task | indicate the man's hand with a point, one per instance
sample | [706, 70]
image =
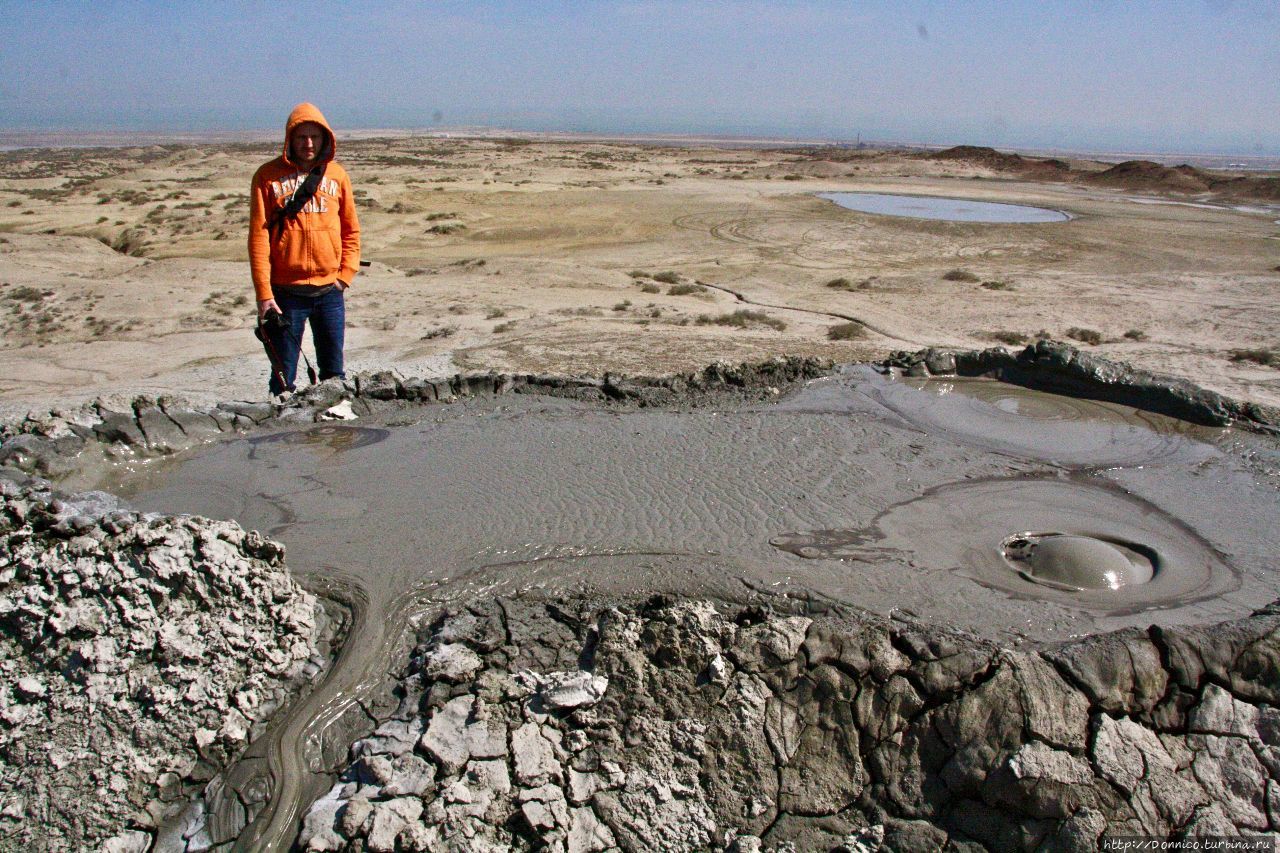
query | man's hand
[342, 285]
[265, 307]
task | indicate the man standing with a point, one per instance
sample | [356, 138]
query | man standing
[304, 248]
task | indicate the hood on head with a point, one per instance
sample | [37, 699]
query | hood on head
[301, 114]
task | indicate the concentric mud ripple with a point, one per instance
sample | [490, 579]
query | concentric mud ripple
[1017, 421]
[971, 528]
[335, 438]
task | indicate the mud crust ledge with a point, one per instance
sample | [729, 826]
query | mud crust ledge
[1063, 369]
[61, 442]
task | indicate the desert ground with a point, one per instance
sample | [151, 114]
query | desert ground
[491, 664]
[123, 270]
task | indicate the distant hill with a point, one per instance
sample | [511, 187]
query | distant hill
[1249, 188]
[1150, 176]
[1131, 175]
[999, 161]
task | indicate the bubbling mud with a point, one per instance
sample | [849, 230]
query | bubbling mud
[1073, 562]
[1097, 548]
[335, 438]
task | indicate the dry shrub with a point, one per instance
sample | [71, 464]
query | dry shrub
[668, 277]
[743, 319]
[1007, 337]
[846, 332]
[1087, 336]
[959, 275]
[1266, 356]
[684, 289]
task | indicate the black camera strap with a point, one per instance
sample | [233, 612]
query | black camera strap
[303, 194]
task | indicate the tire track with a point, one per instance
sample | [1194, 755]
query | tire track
[835, 315]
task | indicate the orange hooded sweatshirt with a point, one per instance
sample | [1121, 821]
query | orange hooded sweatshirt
[322, 243]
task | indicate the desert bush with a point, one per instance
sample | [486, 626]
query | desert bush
[1266, 356]
[684, 289]
[959, 275]
[742, 319]
[1136, 335]
[440, 332]
[504, 327]
[24, 293]
[1087, 336]
[846, 332]
[446, 228]
[650, 287]
[623, 305]
[840, 283]
[997, 284]
[639, 274]
[495, 313]
[438, 216]
[668, 277]
[1007, 337]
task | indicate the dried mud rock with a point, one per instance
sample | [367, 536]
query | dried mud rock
[1058, 367]
[696, 726]
[138, 654]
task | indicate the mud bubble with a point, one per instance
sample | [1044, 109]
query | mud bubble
[1074, 562]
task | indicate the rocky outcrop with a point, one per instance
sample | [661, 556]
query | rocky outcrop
[682, 725]
[56, 444]
[1057, 367]
[139, 655]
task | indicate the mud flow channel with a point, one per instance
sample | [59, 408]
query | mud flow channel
[970, 503]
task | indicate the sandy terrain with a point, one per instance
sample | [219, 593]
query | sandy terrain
[123, 271]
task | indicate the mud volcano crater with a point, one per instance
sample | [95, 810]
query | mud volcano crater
[941, 554]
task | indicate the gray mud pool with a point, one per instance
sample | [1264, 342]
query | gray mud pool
[947, 209]
[1010, 513]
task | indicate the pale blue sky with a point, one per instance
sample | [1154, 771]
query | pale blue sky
[1190, 76]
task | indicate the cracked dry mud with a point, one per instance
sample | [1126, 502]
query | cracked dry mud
[712, 726]
[511, 682]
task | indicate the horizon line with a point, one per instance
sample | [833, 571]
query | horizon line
[481, 131]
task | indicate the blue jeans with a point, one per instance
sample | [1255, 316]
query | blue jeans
[328, 317]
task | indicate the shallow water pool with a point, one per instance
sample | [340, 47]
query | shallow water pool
[948, 209]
